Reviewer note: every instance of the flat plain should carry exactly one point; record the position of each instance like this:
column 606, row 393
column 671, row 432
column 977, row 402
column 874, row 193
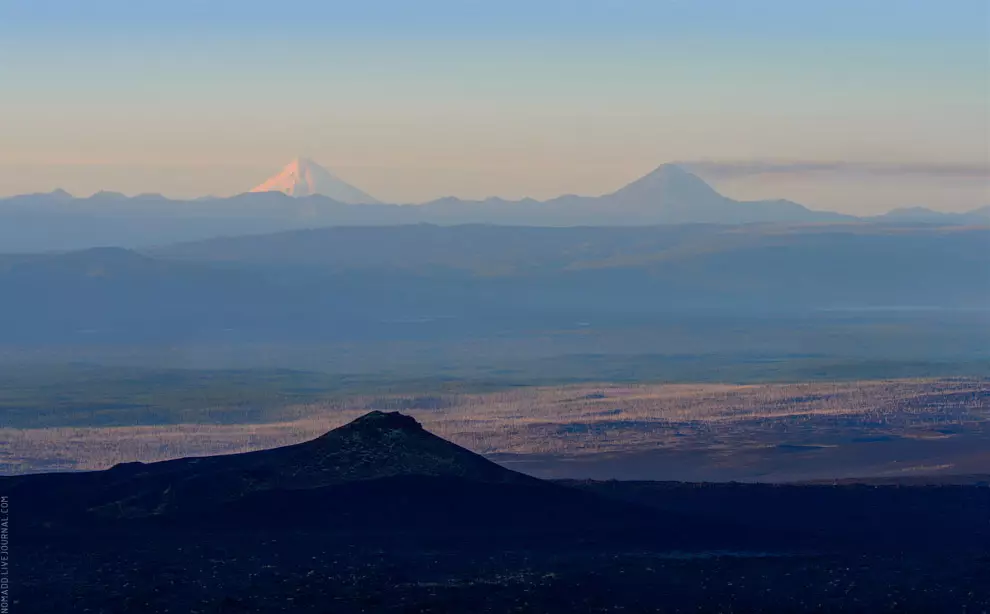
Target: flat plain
column 897, row 429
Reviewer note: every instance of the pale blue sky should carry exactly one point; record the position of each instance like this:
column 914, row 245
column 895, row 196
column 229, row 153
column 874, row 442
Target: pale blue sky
column 414, row 100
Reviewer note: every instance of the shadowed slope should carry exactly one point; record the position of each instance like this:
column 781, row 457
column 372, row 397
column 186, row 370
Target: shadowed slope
column 383, row 474
column 382, row 471
column 376, row 446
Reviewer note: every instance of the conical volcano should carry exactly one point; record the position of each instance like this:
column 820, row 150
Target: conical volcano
column 382, row 474
column 377, row 446
column 672, row 195
column 670, row 184
column 303, row 177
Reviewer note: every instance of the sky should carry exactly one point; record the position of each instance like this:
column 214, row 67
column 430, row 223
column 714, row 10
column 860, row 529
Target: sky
column 841, row 104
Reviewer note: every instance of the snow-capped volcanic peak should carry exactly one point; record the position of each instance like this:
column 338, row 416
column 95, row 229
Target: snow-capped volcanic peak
column 303, row 177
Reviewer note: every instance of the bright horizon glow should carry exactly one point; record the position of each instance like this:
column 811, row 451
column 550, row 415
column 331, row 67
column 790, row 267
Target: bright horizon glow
column 414, row 101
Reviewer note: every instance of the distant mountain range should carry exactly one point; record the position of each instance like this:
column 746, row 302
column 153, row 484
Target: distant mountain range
column 922, row 215
column 305, row 195
column 355, row 283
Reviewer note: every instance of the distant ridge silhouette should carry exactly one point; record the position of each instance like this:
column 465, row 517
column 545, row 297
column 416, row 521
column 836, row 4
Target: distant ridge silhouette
column 304, row 195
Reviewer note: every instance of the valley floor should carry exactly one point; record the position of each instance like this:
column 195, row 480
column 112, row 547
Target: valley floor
column 890, row 429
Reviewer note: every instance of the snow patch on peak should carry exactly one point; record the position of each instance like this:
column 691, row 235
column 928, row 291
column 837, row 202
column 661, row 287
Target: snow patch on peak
column 303, row 177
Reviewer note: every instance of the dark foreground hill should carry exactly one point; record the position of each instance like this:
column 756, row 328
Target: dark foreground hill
column 382, row 472
column 382, row 516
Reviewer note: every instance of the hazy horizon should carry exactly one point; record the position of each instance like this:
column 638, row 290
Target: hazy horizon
column 547, row 306
column 800, row 181
column 855, row 107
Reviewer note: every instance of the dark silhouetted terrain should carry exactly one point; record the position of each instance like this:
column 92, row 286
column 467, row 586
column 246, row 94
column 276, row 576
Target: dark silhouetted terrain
column 380, row 515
